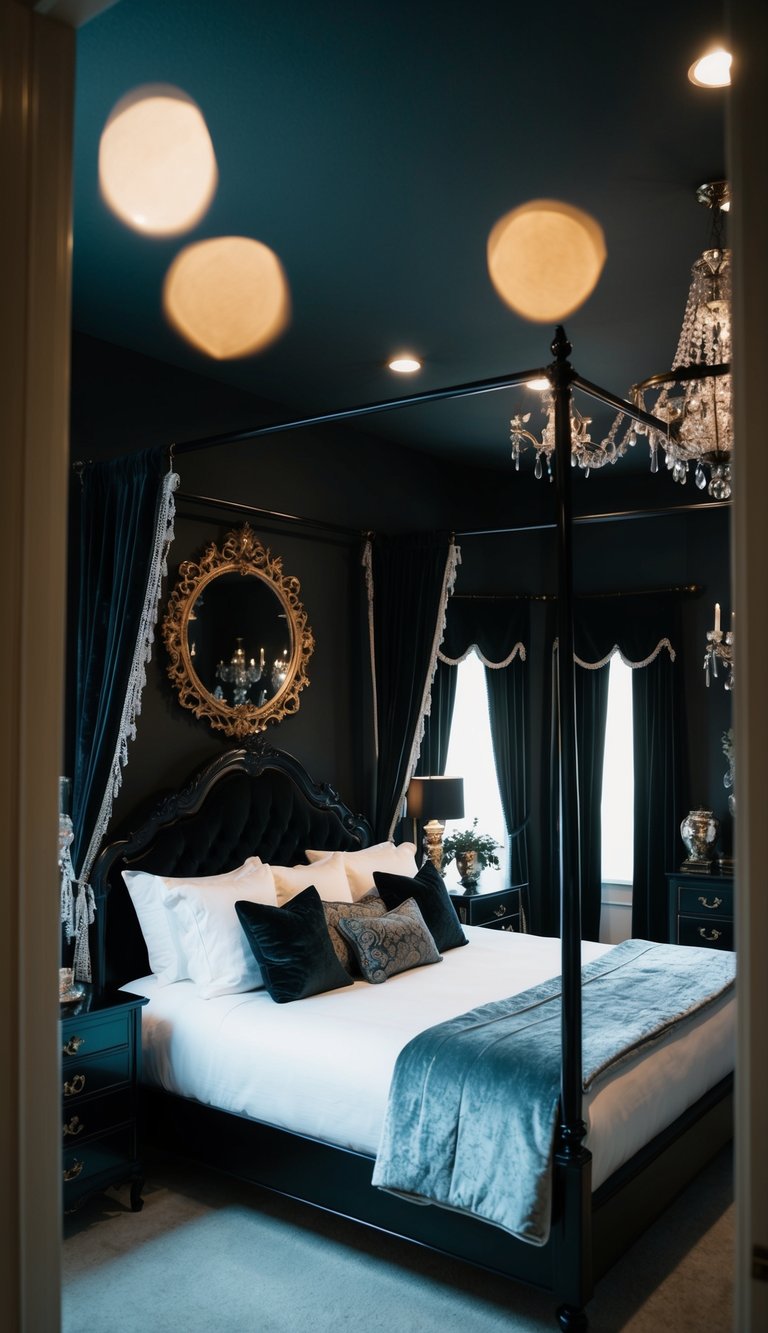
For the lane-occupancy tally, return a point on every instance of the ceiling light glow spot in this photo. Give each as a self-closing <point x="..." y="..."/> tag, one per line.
<point x="712" y="70"/>
<point x="227" y="296"/>
<point x="404" y="365"/>
<point x="539" y="385"/>
<point x="545" y="259"/>
<point x="157" y="167"/>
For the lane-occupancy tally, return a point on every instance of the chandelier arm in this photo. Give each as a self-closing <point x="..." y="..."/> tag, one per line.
<point x="697" y="371"/>
<point x="621" y="405"/>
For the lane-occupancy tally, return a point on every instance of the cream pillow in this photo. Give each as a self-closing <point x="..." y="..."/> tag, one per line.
<point x="360" y="866"/>
<point x="167" y="957"/>
<point x="219" y="958"/>
<point x="327" y="875"/>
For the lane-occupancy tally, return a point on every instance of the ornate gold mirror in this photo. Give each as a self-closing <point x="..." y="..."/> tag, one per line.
<point x="237" y="636"/>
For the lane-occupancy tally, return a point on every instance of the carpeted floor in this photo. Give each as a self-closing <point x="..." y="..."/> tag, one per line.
<point x="208" y="1253"/>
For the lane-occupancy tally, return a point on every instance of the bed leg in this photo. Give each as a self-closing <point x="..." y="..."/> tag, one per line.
<point x="572" y="1236"/>
<point x="572" y="1320"/>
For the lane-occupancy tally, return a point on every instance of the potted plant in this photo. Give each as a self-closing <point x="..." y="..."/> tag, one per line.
<point x="471" y="851"/>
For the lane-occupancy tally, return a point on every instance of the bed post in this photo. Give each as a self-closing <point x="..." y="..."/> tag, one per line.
<point x="572" y="1222"/>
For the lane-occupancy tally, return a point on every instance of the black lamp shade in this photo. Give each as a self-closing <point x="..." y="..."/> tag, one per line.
<point x="435" y="798"/>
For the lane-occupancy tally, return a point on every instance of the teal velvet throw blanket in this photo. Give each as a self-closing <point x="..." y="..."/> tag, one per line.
<point x="473" y="1105"/>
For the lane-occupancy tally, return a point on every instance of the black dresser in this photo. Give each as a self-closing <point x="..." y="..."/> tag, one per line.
<point x="701" y="910"/>
<point x="100" y="1063"/>
<point x="496" y="908"/>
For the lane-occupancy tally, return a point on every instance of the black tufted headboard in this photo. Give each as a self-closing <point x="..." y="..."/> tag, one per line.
<point x="244" y="803"/>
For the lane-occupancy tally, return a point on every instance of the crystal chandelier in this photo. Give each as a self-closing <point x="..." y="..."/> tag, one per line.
<point x="693" y="398"/>
<point x="240" y="674"/>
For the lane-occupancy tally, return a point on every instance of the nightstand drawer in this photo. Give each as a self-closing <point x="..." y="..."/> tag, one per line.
<point x="487" y="911"/>
<point x="106" y="1070"/>
<point x="705" y="932"/>
<point x="508" y="923"/>
<point x="698" y="901"/>
<point x="96" y="1116"/>
<point x="107" y="1154"/>
<point x="97" y="1034"/>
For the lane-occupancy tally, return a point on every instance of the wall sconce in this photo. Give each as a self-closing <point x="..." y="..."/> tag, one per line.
<point x="720" y="649"/>
<point x="431" y="801"/>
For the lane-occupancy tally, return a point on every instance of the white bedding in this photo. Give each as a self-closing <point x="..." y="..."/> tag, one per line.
<point x="322" y="1066"/>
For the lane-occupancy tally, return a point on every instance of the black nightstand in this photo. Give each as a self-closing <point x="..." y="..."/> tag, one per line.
<point x="499" y="909"/>
<point x="700" y="910"/>
<point x="101" y="1062"/>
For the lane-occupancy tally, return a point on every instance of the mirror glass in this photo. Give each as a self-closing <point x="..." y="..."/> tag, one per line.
<point x="240" y="640"/>
<point x="237" y="636"/>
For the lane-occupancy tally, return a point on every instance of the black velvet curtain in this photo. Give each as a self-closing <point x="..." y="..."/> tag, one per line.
<point x="437" y="725"/>
<point x="495" y="625"/>
<point x="658" y="710"/>
<point x="407" y="578"/>
<point x="115" y="506"/>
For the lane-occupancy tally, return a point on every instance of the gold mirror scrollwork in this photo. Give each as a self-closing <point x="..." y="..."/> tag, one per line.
<point x="237" y="636"/>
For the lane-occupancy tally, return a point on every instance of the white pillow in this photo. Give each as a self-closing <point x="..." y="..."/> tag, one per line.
<point x="167" y="958"/>
<point x="327" y="875"/>
<point x="219" y="957"/>
<point x="359" y="866"/>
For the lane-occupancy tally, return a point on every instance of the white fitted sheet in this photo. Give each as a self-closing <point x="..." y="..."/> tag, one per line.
<point x="322" y="1066"/>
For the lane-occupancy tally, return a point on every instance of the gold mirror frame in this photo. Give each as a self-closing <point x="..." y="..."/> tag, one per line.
<point x="244" y="554"/>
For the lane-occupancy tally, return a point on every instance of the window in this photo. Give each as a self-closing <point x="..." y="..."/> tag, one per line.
<point x="470" y="756"/>
<point x="617" y="809"/>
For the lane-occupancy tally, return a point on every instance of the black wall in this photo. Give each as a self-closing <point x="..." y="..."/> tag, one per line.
<point x="359" y="482"/>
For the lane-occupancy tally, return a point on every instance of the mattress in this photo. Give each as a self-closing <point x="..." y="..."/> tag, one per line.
<point x="322" y="1066"/>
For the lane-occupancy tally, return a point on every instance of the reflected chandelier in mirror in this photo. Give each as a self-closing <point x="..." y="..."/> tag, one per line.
<point x="237" y="636"/>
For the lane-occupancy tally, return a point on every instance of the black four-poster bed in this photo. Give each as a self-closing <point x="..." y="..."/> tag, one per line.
<point x="261" y="800"/>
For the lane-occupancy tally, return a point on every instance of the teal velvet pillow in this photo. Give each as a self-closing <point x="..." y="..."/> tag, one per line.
<point x="292" y="946"/>
<point x="386" y="945"/>
<point x="369" y="906"/>
<point x="429" y="892"/>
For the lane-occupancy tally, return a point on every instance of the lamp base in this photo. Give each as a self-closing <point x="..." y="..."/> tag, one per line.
<point x="433" y="843"/>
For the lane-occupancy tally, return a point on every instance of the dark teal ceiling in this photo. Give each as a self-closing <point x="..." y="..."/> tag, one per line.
<point x="373" y="146"/>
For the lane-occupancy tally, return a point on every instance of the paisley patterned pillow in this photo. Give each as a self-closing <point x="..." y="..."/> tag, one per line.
<point x="386" y="945"/>
<point x="369" y="906"/>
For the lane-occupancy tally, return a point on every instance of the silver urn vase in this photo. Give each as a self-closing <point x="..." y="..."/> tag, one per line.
<point x="469" y="867"/>
<point x="699" y="831"/>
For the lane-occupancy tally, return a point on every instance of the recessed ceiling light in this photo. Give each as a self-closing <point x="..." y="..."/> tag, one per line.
<point x="538" y="385"/>
<point x="712" y="70"/>
<point x="404" y="365"/>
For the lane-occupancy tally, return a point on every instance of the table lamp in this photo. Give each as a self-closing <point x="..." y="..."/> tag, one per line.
<point x="431" y="801"/>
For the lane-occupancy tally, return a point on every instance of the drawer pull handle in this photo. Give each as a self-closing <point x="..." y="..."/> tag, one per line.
<point x="73" y="1171"/>
<point x="73" y="1127"/>
<point x="717" y="902"/>
<point x="74" y="1085"/>
<point x="72" y="1046"/>
<point x="714" y="935"/>
<point x="501" y="910"/>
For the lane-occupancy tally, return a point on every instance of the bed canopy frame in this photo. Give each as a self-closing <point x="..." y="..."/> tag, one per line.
<point x="592" y="1230"/>
<point x="563" y="379"/>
